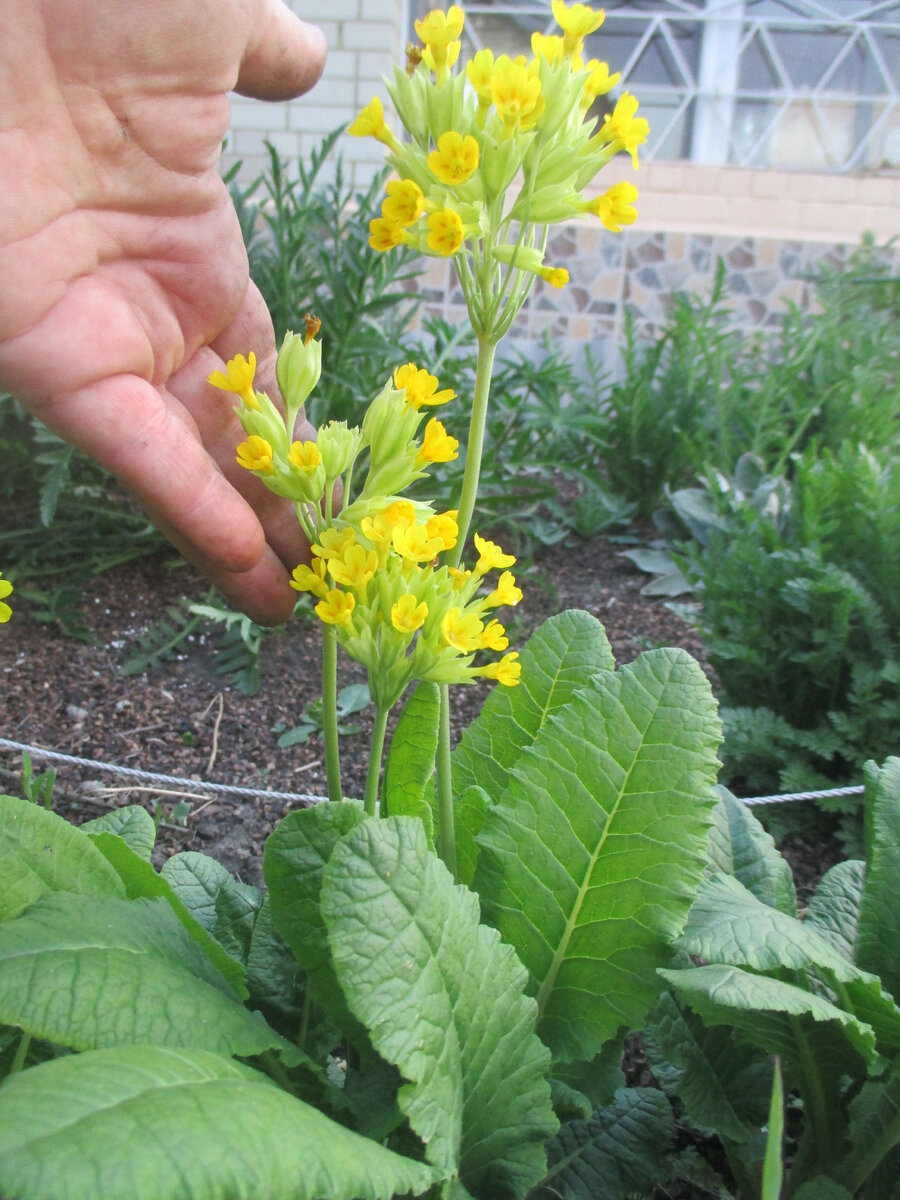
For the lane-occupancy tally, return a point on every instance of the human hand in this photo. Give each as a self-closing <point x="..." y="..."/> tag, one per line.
<point x="125" y="279"/>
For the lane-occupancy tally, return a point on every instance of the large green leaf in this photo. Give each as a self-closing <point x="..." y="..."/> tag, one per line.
<point x="443" y="999"/>
<point x="874" y="1128"/>
<point x="272" y="970"/>
<point x="739" y="846"/>
<point x="409" y="769"/>
<point x="560" y="657"/>
<point x="727" y="924"/>
<point x="41" y="853"/>
<point x="878" y="944"/>
<point x="223" y="905"/>
<point x="132" y="823"/>
<point x="142" y="882"/>
<point x="88" y="972"/>
<point x="777" y="1016"/>
<point x="147" y="1123"/>
<point x="834" y="908"/>
<point x="589" y="863"/>
<point x="616" y="1153"/>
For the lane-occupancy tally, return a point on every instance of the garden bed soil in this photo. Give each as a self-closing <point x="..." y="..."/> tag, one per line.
<point x="183" y="719"/>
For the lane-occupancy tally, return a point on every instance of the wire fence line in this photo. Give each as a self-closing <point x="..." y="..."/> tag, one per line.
<point x="202" y="787"/>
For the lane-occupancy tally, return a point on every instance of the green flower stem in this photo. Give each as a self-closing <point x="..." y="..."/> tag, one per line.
<point x="375" y="751"/>
<point x="475" y="446"/>
<point x="329" y="712"/>
<point x="21" y="1054"/>
<point x="446" y="827"/>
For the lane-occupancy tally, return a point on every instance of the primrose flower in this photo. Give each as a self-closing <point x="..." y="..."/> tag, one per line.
<point x="355" y="569"/>
<point x="385" y="234"/>
<point x="615" y="207"/>
<point x="515" y="91"/>
<point x="333" y="543"/>
<point x="5" y="611"/>
<point x="446" y="232"/>
<point x="479" y="70"/>
<point x="576" y="22"/>
<point x="444" y="526"/>
<point x="437" y="444"/>
<point x="371" y="123"/>
<point x="310" y="579"/>
<point x="494" y="636"/>
<point x="420" y="387"/>
<point x="549" y="47"/>
<point x="305" y="456"/>
<point x="336" y="608"/>
<point x="623" y="129"/>
<point x="455" y="159"/>
<point x="490" y="556"/>
<point x="238" y="378"/>
<point x="255" y="454"/>
<point x="405" y="202"/>
<point x="408" y="614"/>
<point x="505" y="593"/>
<point x="440" y="32"/>
<point x="415" y="543"/>
<point x="462" y="631"/>
<point x="507" y="671"/>
<point x="557" y="277"/>
<point x="598" y="83"/>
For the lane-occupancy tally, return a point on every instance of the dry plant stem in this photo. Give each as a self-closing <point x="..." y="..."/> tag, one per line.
<point x="329" y="713"/>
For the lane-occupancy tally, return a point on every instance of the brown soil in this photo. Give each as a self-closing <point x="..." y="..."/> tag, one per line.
<point x="181" y="719"/>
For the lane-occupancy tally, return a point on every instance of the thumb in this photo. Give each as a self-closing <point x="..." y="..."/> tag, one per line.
<point x="284" y="56"/>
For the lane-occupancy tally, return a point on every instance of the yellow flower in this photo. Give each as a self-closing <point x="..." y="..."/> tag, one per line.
<point x="615" y="206"/>
<point x="420" y="387"/>
<point x="334" y="543"/>
<point x="445" y="232"/>
<point x="5" y="611"/>
<point x="415" y="543"/>
<point x="462" y="632"/>
<point x="458" y="578"/>
<point x="336" y="608"/>
<point x="623" y="128"/>
<point x="238" y="378"/>
<point x="507" y="671"/>
<point x="355" y="568"/>
<point x="455" y="159"/>
<point x="576" y="22"/>
<point x="437" y="444"/>
<point x="479" y="69"/>
<point x="255" y="454"/>
<point x="515" y="90"/>
<point x="439" y="29"/>
<point x="444" y="526"/>
<point x="401" y="512"/>
<point x="408" y="615"/>
<point x="505" y="592"/>
<point x="405" y="203"/>
<point x="494" y="637"/>
<point x="551" y="48"/>
<point x="310" y="579"/>
<point x="384" y="234"/>
<point x="490" y="556"/>
<point x="599" y="82"/>
<point x="371" y="123"/>
<point x="440" y="61"/>
<point x="556" y="276"/>
<point x="305" y="456"/>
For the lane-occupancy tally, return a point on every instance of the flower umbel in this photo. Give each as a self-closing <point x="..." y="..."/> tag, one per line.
<point x="5" y="611"/>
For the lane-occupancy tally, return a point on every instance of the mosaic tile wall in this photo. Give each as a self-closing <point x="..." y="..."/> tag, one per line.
<point x="638" y="272"/>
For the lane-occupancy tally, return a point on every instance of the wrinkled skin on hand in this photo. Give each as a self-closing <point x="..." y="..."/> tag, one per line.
<point x="124" y="275"/>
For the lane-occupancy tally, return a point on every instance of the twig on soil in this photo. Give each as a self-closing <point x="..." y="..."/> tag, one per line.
<point x="215" y="737"/>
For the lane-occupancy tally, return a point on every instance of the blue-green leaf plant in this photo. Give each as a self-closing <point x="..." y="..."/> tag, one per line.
<point x="432" y="993"/>
<point x="756" y="981"/>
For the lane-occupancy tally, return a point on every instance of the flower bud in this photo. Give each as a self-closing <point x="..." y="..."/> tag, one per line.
<point x="339" y="445"/>
<point x="299" y="365"/>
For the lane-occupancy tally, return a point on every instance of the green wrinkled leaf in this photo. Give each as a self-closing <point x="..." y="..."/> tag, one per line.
<point x="833" y="911"/>
<point x="443" y="999"/>
<point x="727" y="924"/>
<point x="139" y="1123"/>
<point x="213" y="896"/>
<point x="878" y="945"/>
<point x="409" y="769"/>
<point x="560" y="657"/>
<point x="272" y="970"/>
<point x="616" y="1153"/>
<point x="764" y="1012"/>
<point x="589" y="863"/>
<point x="88" y="972"/>
<point x="740" y="846"/>
<point x="132" y="823"/>
<point x="141" y="881"/>
<point x="470" y="808"/>
<point x="41" y="853"/>
<point x="874" y="1126"/>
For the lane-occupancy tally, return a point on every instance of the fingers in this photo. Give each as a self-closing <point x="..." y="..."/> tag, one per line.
<point x="285" y="56"/>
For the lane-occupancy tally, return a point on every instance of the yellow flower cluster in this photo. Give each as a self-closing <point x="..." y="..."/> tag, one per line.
<point x="473" y="132"/>
<point x="398" y="612"/>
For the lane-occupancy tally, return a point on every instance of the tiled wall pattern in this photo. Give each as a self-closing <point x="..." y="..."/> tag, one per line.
<point x="638" y="270"/>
